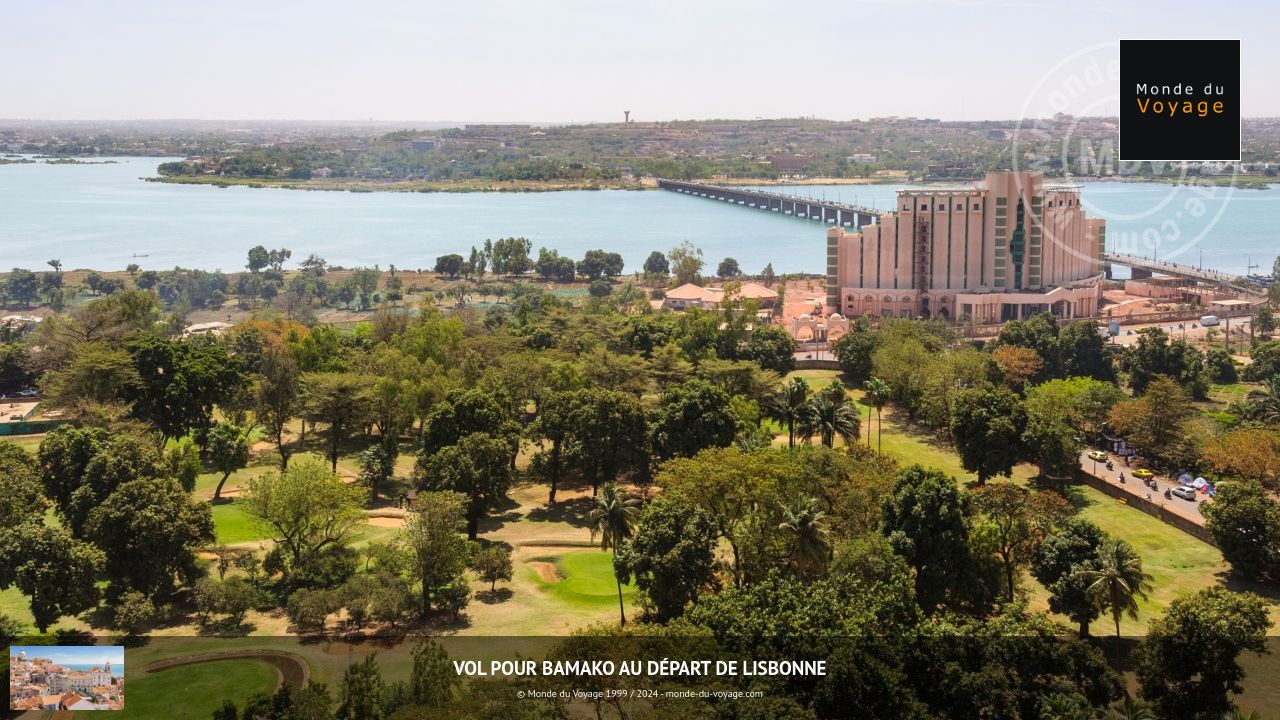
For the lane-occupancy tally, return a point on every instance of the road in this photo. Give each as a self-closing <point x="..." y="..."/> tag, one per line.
<point x="1133" y="486"/>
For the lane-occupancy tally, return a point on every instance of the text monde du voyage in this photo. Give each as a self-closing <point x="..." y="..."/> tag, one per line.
<point x="1180" y="99"/>
<point x="665" y="667"/>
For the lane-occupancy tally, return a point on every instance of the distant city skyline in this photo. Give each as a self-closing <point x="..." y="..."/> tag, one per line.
<point x="564" y="61"/>
<point x="74" y="654"/>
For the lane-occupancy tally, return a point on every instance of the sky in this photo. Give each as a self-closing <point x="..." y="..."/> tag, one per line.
<point x="558" y="61"/>
<point x="75" y="654"/>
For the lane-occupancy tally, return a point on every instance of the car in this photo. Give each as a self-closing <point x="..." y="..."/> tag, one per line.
<point x="1143" y="473"/>
<point x="1098" y="455"/>
<point x="1185" y="492"/>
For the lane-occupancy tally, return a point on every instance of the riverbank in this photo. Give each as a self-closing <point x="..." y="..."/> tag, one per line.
<point x="403" y="186"/>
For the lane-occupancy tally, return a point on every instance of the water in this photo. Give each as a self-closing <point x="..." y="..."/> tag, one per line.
<point x="102" y="216"/>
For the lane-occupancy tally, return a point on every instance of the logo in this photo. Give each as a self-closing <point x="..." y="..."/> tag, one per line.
<point x="1180" y="100"/>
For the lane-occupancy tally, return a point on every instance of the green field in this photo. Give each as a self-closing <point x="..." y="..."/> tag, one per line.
<point x="1179" y="563"/>
<point x="194" y="691"/>
<point x="233" y="526"/>
<point x="587" y="579"/>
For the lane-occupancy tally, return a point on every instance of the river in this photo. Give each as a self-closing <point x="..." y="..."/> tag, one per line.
<point x="103" y="216"/>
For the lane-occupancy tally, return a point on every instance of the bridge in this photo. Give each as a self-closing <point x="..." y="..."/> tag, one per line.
<point x="1143" y="267"/>
<point x="830" y="213"/>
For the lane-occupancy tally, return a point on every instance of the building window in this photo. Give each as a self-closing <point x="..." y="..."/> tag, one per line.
<point x="977" y="206"/>
<point x="924" y="207"/>
<point x="906" y="206"/>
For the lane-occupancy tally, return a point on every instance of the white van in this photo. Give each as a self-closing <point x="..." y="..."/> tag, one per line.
<point x="1209" y="320"/>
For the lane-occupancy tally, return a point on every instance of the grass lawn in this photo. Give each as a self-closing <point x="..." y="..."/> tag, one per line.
<point x="233" y="526"/>
<point x="586" y="579"/>
<point x="30" y="443"/>
<point x="194" y="691"/>
<point x="1179" y="563"/>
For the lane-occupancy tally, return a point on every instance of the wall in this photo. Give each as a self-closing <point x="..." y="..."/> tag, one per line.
<point x="1149" y="508"/>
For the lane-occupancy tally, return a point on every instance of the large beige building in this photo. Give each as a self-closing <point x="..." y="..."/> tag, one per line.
<point x="1005" y="248"/>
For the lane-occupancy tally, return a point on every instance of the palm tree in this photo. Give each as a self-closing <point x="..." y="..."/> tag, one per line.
<point x="1263" y="404"/>
<point x="1118" y="583"/>
<point x="877" y="395"/>
<point x="806" y="523"/>
<point x="1133" y="709"/>
<point x="828" y="418"/>
<point x="790" y="407"/>
<point x="612" y="517"/>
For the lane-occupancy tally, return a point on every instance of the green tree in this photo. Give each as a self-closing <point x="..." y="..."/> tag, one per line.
<point x="1263" y="403"/>
<point x="236" y="598"/>
<point x="22" y="496"/>
<point x="1060" y="563"/>
<point x="686" y="263"/>
<point x="1084" y="352"/>
<point x="439" y="552"/>
<point x="1245" y="521"/>
<point x="1189" y="665"/>
<point x="671" y="556"/>
<point x="790" y="406"/>
<point x="97" y="373"/>
<point x="339" y="400"/>
<point x="23" y="286"/>
<point x="451" y="265"/>
<point x="877" y="396"/>
<point x="1016" y="519"/>
<point x="830" y="417"/>
<point x="986" y="427"/>
<point x="656" y="265"/>
<point x="277" y="400"/>
<point x="54" y="570"/>
<point x="854" y="350"/>
<point x="808" y="537"/>
<point x="612" y="519"/>
<point x="377" y="465"/>
<point x="1156" y="422"/>
<point x="598" y="263"/>
<point x="493" y="564"/>
<point x="431" y="682"/>
<point x="693" y="416"/>
<point x="479" y="467"/>
<point x="1118" y="582"/>
<point x="772" y="348"/>
<point x="150" y="530"/>
<point x="728" y="269"/>
<point x="133" y="611"/>
<point x="555" y="424"/>
<point x="82" y="467"/>
<point x="228" y="446"/>
<point x="927" y="522"/>
<point x="461" y="413"/>
<point x="610" y="435"/>
<point x="1155" y="355"/>
<point x="307" y="508"/>
<point x="360" y="697"/>
<point x="182" y="382"/>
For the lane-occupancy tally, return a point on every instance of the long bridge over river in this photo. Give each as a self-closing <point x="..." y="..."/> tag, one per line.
<point x="855" y="216"/>
<point x="1144" y="267"/>
<point x="828" y="212"/>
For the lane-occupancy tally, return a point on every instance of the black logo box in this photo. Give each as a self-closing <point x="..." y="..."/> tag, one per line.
<point x="1189" y="65"/>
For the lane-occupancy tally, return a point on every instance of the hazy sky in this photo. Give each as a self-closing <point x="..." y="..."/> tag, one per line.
<point x="581" y="60"/>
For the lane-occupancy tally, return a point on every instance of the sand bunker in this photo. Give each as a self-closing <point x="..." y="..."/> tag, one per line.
<point x="547" y="572"/>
